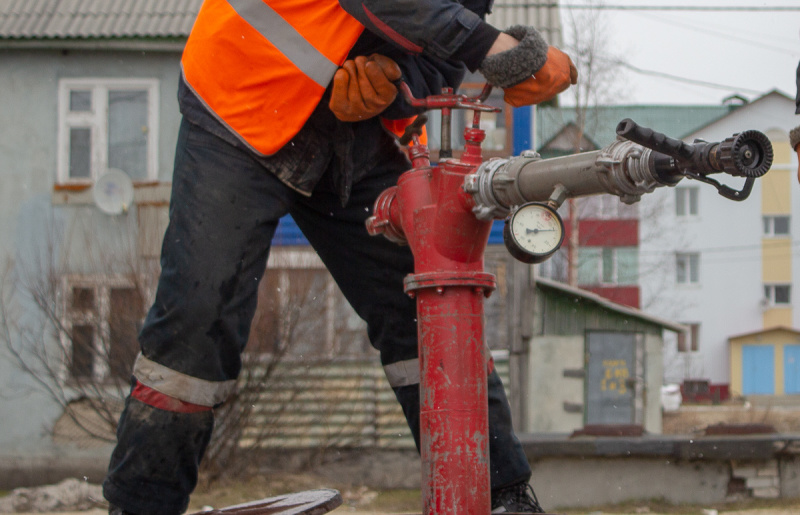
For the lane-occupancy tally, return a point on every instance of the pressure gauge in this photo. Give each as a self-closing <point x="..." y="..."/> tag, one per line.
<point x="533" y="232"/>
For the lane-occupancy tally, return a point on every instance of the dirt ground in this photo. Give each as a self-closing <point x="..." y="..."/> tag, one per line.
<point x="699" y="511"/>
<point x="694" y="419"/>
<point x="362" y="501"/>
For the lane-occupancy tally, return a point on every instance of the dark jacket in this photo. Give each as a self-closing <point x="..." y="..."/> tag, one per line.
<point x="794" y="134"/>
<point x="326" y="143"/>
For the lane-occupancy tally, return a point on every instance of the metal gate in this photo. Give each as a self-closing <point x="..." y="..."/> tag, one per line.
<point x="614" y="372"/>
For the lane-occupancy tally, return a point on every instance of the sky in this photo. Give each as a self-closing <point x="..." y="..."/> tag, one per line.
<point x="740" y="52"/>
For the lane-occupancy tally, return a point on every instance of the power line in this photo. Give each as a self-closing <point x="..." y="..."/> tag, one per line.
<point x="704" y="29"/>
<point x="685" y="79"/>
<point x="654" y="7"/>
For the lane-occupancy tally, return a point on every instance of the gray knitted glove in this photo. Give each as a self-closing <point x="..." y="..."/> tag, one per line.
<point x="509" y="68"/>
<point x="794" y="137"/>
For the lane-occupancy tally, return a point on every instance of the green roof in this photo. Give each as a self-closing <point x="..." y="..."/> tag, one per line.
<point x="675" y="121"/>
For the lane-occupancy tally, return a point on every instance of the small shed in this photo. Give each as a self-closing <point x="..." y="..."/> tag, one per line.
<point x="766" y="362"/>
<point x="592" y="363"/>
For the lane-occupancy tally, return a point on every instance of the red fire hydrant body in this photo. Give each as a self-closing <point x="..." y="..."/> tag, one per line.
<point x="431" y="212"/>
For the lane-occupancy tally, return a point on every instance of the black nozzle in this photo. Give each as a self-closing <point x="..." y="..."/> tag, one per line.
<point x="651" y="139"/>
<point x="747" y="154"/>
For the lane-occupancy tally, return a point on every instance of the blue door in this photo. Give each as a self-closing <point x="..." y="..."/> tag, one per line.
<point x="791" y="369"/>
<point x="758" y="369"/>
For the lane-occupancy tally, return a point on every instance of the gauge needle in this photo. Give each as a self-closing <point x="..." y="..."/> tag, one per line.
<point x="537" y="231"/>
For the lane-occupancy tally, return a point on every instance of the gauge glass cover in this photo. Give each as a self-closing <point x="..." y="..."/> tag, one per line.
<point x="536" y="229"/>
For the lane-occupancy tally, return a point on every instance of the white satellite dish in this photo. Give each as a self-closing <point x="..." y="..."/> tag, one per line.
<point x="113" y="192"/>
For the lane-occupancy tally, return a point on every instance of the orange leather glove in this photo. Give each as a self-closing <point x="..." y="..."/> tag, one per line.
<point x="363" y="88"/>
<point x="557" y="74"/>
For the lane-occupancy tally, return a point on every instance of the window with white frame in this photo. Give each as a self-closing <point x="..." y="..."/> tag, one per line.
<point x="687" y="200"/>
<point x="690" y="340"/>
<point x="302" y="313"/>
<point x="776" y="226"/>
<point x="107" y="123"/>
<point x="687" y="268"/>
<point x="778" y="294"/>
<point x="606" y="207"/>
<point x="100" y="321"/>
<point x="608" y="265"/>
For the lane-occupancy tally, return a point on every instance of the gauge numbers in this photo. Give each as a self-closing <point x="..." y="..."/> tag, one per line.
<point x="533" y="232"/>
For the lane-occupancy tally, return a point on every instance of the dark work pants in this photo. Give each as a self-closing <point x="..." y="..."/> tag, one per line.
<point x="224" y="210"/>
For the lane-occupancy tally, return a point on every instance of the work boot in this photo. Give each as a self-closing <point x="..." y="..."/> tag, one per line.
<point x="518" y="498"/>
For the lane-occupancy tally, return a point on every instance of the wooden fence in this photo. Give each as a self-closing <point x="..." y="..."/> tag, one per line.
<point x="332" y="404"/>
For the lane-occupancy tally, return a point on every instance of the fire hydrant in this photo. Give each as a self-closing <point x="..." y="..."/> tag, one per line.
<point x="445" y="212"/>
<point x="430" y="211"/>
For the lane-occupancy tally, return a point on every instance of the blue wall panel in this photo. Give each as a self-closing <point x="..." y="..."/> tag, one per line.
<point x="758" y="369"/>
<point x="791" y="369"/>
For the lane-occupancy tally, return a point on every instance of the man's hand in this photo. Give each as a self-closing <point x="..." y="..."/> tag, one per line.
<point x="557" y="74"/>
<point x="363" y="88"/>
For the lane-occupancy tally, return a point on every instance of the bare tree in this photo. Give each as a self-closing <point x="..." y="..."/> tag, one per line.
<point x="71" y="309"/>
<point x="588" y="43"/>
<point x="72" y="329"/>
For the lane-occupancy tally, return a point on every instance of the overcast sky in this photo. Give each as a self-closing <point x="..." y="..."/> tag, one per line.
<point x="746" y="52"/>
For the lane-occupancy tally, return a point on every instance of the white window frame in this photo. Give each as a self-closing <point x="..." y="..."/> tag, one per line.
<point x="690" y="209"/>
<point x="99" y="318"/>
<point x="600" y="262"/>
<point x="769" y="226"/>
<point x="690" y="340"/>
<point x="283" y="259"/>
<point x="692" y="268"/>
<point x="607" y="207"/>
<point x="97" y="121"/>
<point x="769" y="294"/>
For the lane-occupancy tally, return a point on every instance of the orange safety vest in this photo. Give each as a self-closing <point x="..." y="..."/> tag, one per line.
<point x="398" y="128"/>
<point x="262" y="66"/>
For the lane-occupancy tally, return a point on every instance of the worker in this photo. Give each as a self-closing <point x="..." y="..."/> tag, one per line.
<point x="794" y="134"/>
<point x="282" y="107"/>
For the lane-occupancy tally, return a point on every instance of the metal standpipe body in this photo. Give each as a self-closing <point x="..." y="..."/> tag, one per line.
<point x="429" y="210"/>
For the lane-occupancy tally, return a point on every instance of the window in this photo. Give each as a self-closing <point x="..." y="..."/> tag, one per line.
<point x="690" y="340"/>
<point x="608" y="265"/>
<point x="302" y="313"/>
<point x="606" y="207"/>
<point x="776" y="226"/>
<point x="101" y="317"/>
<point x="687" y="201"/>
<point x="778" y="294"/>
<point x="107" y="123"/>
<point x="687" y="268"/>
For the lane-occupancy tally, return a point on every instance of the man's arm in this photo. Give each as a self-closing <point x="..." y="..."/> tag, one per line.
<point x="444" y="29"/>
<point x="517" y="60"/>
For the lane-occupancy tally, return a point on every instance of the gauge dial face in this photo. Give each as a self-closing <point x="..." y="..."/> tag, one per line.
<point x="536" y="230"/>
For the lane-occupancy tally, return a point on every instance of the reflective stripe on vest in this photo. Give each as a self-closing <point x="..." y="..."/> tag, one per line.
<point x="261" y="66"/>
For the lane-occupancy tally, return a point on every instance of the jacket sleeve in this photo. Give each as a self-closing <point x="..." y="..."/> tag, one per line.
<point x="443" y="29"/>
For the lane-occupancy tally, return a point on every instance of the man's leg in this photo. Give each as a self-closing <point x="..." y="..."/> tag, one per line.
<point x="223" y="213"/>
<point x="370" y="271"/>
